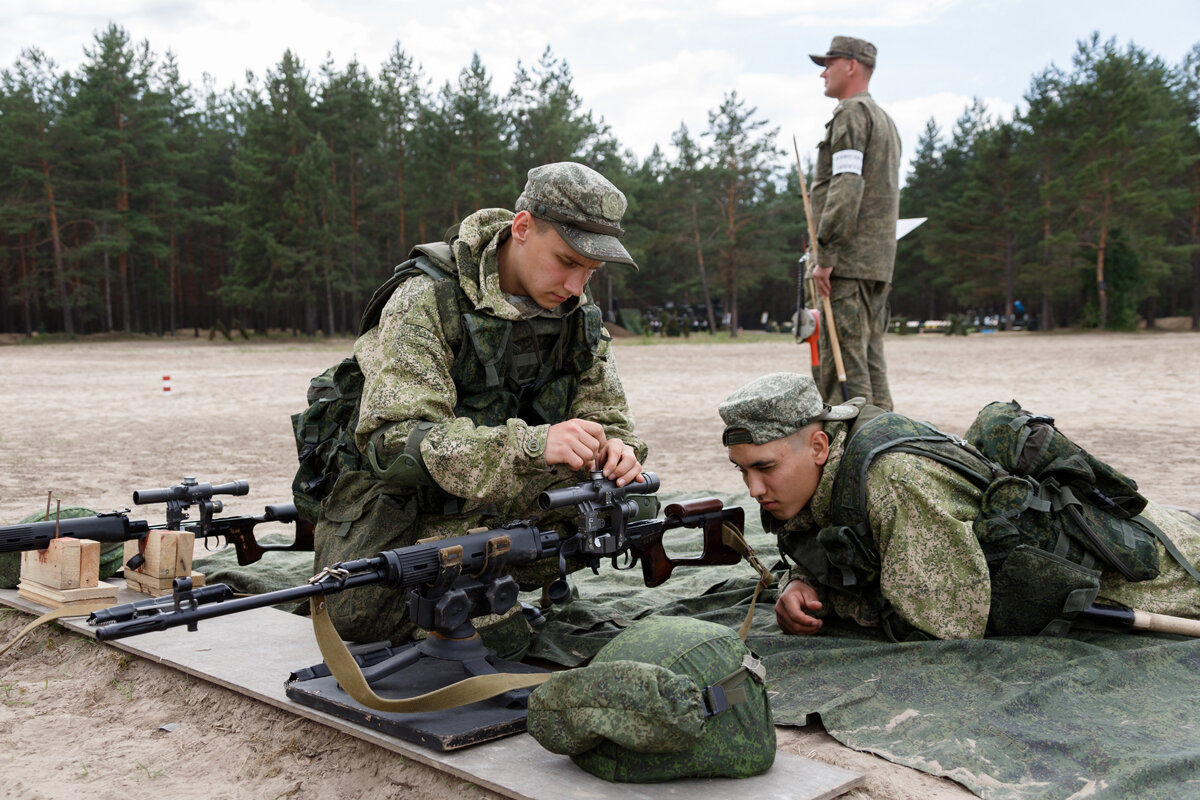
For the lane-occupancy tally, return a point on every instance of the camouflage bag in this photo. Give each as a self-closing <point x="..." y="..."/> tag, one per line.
<point x="1096" y="505"/>
<point x="324" y="431"/>
<point x="670" y="697"/>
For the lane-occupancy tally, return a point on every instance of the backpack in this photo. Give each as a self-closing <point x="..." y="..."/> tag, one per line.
<point x="324" y="431"/>
<point x="1051" y="518"/>
<point x="668" y="697"/>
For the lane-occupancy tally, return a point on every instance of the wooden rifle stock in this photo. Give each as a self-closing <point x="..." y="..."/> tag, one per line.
<point x="708" y="513"/>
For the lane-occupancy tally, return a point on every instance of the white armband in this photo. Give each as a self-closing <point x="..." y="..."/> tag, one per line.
<point x="847" y="161"/>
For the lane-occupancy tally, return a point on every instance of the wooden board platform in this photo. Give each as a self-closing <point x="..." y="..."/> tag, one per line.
<point x="253" y="653"/>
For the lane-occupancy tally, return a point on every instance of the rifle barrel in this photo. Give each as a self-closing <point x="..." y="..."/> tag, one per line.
<point x="100" y="528"/>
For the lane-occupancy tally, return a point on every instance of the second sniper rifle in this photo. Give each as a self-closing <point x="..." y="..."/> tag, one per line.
<point x="116" y="526"/>
<point x="451" y="581"/>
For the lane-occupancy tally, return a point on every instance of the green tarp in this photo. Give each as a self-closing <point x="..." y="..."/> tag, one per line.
<point x="1091" y="715"/>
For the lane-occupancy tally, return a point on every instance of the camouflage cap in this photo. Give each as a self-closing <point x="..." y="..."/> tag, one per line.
<point x="848" y="47"/>
<point x="582" y="205"/>
<point x="775" y="406"/>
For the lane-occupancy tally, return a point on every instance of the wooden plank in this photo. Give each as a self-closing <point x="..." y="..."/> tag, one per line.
<point x="56" y="598"/>
<point x="253" y="653"/>
<point x="157" y="587"/>
<point x="168" y="554"/>
<point x="66" y="563"/>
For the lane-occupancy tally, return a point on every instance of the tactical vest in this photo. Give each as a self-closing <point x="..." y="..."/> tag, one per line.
<point x="1052" y="516"/>
<point x="527" y="369"/>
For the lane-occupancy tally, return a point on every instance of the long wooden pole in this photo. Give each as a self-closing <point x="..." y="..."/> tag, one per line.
<point x="812" y="260"/>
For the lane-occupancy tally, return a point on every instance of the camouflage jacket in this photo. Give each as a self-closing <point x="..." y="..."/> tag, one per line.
<point x="931" y="568"/>
<point x="406" y="364"/>
<point x="855" y="206"/>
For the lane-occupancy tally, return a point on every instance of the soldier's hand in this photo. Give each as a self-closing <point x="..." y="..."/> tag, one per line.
<point x="576" y="443"/>
<point x="619" y="463"/>
<point x="821" y="279"/>
<point x="791" y="609"/>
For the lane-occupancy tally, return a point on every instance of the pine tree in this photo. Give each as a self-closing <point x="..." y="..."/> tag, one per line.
<point x="36" y="151"/>
<point x="400" y="98"/>
<point x="744" y="159"/>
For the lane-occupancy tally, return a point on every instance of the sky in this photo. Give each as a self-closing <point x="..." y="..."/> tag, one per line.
<point x="645" y="66"/>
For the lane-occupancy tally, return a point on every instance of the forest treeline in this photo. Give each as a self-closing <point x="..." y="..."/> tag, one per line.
<point x="132" y="201"/>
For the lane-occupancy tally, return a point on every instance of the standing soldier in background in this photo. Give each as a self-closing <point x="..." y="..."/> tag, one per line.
<point x="856" y="202"/>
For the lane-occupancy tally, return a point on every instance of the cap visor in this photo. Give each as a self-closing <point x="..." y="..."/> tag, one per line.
<point x="819" y="60"/>
<point x="844" y="411"/>
<point x="596" y="246"/>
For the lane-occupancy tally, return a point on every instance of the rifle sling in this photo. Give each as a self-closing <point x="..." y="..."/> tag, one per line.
<point x="53" y="614"/>
<point x="736" y="541"/>
<point x="349" y="676"/>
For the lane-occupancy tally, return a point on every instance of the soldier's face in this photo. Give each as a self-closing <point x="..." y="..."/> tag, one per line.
<point x="782" y="475"/>
<point x="546" y="268"/>
<point x="836" y="75"/>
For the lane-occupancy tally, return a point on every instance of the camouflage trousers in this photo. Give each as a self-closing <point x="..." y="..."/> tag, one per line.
<point x="359" y="520"/>
<point x="860" y="310"/>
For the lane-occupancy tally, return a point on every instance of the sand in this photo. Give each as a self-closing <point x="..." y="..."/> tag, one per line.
<point x="90" y="423"/>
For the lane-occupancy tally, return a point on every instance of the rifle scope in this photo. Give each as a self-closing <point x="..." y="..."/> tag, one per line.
<point x="190" y="492"/>
<point x="597" y="489"/>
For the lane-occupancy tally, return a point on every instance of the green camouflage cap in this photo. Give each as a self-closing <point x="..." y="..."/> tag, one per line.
<point x="582" y="205"/>
<point x="775" y="406"/>
<point x="848" y="47"/>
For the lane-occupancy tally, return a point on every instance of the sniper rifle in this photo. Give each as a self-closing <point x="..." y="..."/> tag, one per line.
<point x="449" y="582"/>
<point x="116" y="526"/>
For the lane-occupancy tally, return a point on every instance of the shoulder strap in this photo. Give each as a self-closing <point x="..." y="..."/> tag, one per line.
<point x="349" y="676"/>
<point x="885" y="432"/>
<point x="434" y="259"/>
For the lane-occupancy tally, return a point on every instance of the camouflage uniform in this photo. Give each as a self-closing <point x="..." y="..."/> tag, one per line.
<point x="496" y="471"/>
<point x="932" y="569"/>
<point x="856" y="215"/>
<point x="921" y="515"/>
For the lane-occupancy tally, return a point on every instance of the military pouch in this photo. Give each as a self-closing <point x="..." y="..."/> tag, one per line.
<point x="1124" y="545"/>
<point x="1037" y="592"/>
<point x="359" y="496"/>
<point x="837" y="557"/>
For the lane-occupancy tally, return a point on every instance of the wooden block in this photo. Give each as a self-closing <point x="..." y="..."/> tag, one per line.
<point x="156" y="587"/>
<point x="168" y="554"/>
<point x="54" y="598"/>
<point x="66" y="563"/>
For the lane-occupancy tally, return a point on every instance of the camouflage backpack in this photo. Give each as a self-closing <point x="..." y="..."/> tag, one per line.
<point x="325" y="430"/>
<point x="669" y="697"/>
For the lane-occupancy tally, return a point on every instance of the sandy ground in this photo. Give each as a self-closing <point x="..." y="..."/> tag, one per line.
<point x="89" y="422"/>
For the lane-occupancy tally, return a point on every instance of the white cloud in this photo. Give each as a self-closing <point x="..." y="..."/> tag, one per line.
<point x="864" y="13"/>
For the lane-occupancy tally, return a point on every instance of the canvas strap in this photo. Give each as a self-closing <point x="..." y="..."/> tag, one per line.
<point x="53" y="614"/>
<point x="345" y="670"/>
<point x="736" y="541"/>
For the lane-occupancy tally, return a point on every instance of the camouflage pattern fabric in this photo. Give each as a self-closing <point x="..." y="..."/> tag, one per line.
<point x="933" y="571"/>
<point x="1009" y="718"/>
<point x="774" y="406"/>
<point x="498" y="470"/>
<point x="856" y="215"/>
<point x="856" y="218"/>
<point x="634" y="705"/>
<point x="624" y="720"/>
<point x="861" y="310"/>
